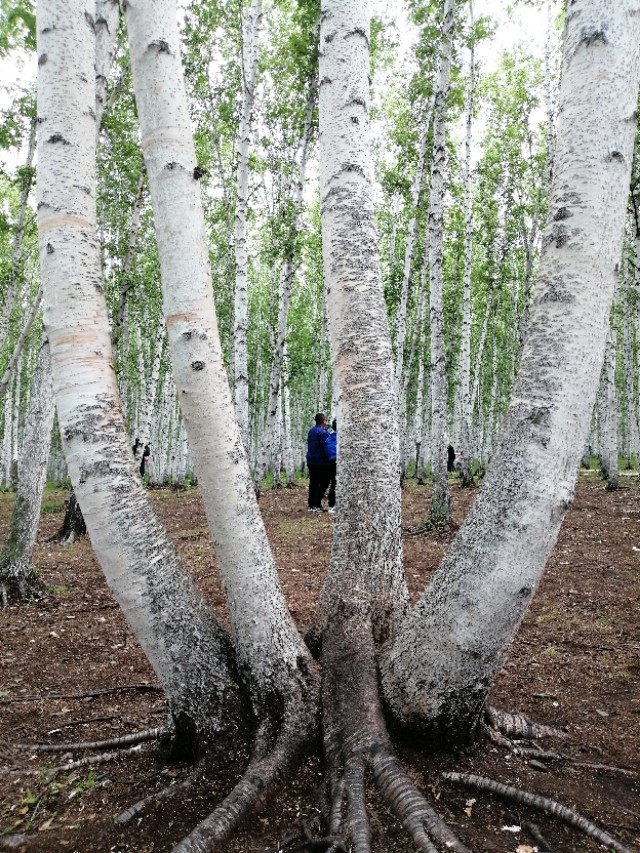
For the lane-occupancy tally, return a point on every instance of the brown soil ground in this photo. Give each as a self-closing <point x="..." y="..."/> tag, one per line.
<point x="574" y="665"/>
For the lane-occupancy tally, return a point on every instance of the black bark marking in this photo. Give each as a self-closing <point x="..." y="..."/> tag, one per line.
<point x="90" y="21"/>
<point x="563" y="213"/>
<point x="614" y="155"/>
<point x="161" y="46"/>
<point x="199" y="172"/>
<point x="355" y="120"/>
<point x="590" y="37"/>
<point x="326" y="80"/>
<point x="173" y="165"/>
<point x="187" y="335"/>
<point x="42" y="59"/>
<point x="358" y="101"/>
<point x="197" y="365"/>
<point x="559" y="235"/>
<point x="58" y="137"/>
<point x="358" y="31"/>
<point x="50" y="249"/>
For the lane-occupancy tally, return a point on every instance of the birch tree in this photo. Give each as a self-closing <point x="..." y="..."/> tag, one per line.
<point x="184" y="644"/>
<point x="432" y="666"/>
<point x="250" y="51"/>
<point x="487" y="578"/>
<point x="440" y="511"/>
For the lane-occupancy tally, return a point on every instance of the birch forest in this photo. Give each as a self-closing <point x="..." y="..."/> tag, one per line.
<point x="420" y="218"/>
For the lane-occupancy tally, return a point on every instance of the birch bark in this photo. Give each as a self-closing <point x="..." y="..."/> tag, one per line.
<point x="609" y="423"/>
<point x="284" y="291"/>
<point x="184" y="644"/>
<point x="465" y="455"/>
<point x="17" y="573"/>
<point x="250" y="45"/>
<point x="440" y="669"/>
<point x="366" y="552"/>
<point x="269" y="650"/>
<point x="440" y="501"/>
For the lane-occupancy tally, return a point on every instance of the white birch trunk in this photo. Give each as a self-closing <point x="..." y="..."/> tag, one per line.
<point x="107" y="17"/>
<point x="19" y="345"/>
<point x="16" y="568"/>
<point x="173" y="624"/>
<point x="266" y="642"/>
<point x="367" y="551"/>
<point x="440" y="501"/>
<point x="466" y="414"/>
<point x="609" y="424"/>
<point x="416" y="190"/>
<point x="15" y="282"/>
<point x="250" y="51"/>
<point x="442" y="666"/>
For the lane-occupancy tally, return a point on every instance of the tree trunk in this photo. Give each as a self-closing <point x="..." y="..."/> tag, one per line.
<point x="440" y="500"/>
<point x="366" y="552"/>
<point x="17" y="573"/>
<point x="464" y="451"/>
<point x="609" y="425"/>
<point x="441" y="667"/>
<point x="269" y="650"/>
<point x="250" y="45"/>
<point x="186" y="647"/>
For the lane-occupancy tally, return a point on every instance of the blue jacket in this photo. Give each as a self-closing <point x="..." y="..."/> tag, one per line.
<point x="316" y="453"/>
<point x="331" y="445"/>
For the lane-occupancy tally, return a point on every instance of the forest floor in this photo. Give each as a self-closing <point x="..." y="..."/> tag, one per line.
<point x="575" y="665"/>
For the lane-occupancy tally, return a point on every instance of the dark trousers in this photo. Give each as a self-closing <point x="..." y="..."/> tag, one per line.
<point x="318" y="482"/>
<point x="332" y="483"/>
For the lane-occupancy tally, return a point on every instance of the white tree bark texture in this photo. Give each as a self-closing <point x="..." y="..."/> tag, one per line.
<point x="441" y="667"/>
<point x="440" y="500"/>
<point x="466" y="414"/>
<point x="107" y="17"/>
<point x="250" y="52"/>
<point x="268" y="646"/>
<point x="16" y="282"/>
<point x="609" y="425"/>
<point x="366" y="551"/>
<point x="187" y="649"/>
<point x="285" y="283"/>
<point x="16" y="567"/>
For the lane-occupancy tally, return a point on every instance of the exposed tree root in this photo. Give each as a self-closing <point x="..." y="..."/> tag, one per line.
<point x="113" y="743"/>
<point x="271" y="758"/>
<point x="564" y="814"/>
<point x="534" y="831"/>
<point x="18" y="583"/>
<point x="518" y="725"/>
<point x="82" y="762"/>
<point x="164" y="794"/>
<point x="535" y="751"/>
<point x="47" y="697"/>
<point x="436" y="525"/>
<point x="356" y="740"/>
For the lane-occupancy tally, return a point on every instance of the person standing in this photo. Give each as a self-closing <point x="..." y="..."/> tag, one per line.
<point x="145" y="459"/>
<point x="317" y="462"/>
<point x="331" y="448"/>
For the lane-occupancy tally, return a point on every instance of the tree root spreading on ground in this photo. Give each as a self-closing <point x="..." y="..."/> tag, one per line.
<point x="356" y="740"/>
<point x="164" y="794"/>
<point x="534" y="831"/>
<point x="113" y="743"/>
<point x="48" y="697"/>
<point x="564" y="814"/>
<point x="519" y="725"/>
<point x="536" y="752"/>
<point x="272" y="756"/>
